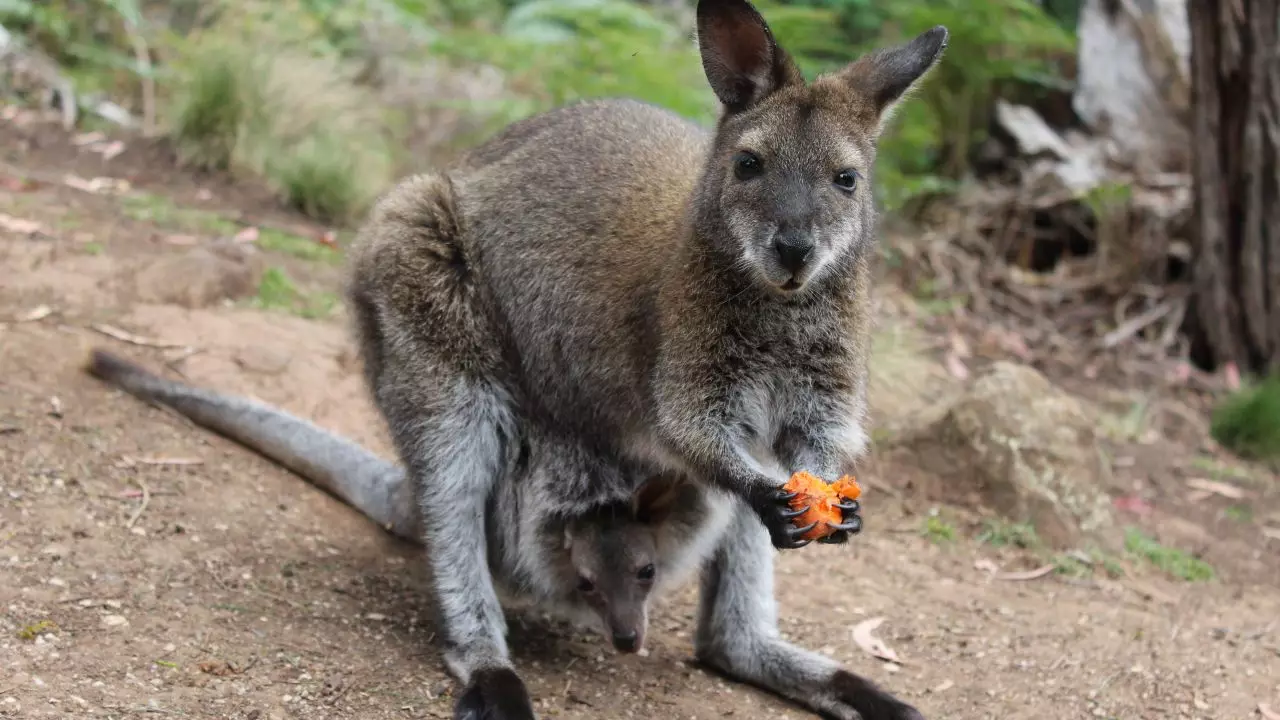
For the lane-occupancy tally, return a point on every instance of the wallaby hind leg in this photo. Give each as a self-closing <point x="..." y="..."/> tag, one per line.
<point x="738" y="635"/>
<point x="458" y="456"/>
<point x="435" y="373"/>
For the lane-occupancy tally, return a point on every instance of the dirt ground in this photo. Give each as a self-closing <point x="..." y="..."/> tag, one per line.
<point x="149" y="568"/>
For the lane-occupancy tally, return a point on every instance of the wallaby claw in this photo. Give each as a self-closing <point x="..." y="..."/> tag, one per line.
<point x="853" y="526"/>
<point x="797" y="532"/>
<point x="850" y="506"/>
<point x="788" y="514"/>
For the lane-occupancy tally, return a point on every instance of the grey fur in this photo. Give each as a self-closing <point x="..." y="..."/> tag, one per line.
<point x="662" y="299"/>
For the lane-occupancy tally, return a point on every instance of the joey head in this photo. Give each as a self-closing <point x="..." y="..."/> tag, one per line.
<point x="614" y="551"/>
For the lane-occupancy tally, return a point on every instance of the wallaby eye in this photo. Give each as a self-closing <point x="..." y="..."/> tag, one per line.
<point x="585" y="585"/>
<point x="646" y="572"/>
<point x="846" y="180"/>
<point x="746" y="165"/>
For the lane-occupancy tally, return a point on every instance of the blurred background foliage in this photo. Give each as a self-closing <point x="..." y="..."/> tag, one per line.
<point x="330" y="100"/>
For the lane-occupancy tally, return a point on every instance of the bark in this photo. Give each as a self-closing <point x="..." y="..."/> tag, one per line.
<point x="1235" y="90"/>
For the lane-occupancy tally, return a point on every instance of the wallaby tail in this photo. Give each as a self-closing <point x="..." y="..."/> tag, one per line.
<point x="356" y="476"/>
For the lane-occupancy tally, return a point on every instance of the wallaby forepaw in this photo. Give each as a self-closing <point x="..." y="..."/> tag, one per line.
<point x="868" y="700"/>
<point x="850" y="523"/>
<point x="773" y="507"/>
<point x="497" y="694"/>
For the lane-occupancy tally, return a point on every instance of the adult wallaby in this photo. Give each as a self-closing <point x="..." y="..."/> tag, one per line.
<point x="695" y="302"/>
<point x="598" y="566"/>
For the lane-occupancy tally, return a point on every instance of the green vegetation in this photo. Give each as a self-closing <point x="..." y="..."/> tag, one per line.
<point x="1239" y="513"/>
<point x="938" y="530"/>
<point x="1177" y="563"/>
<point x="295" y="91"/>
<point x="1248" y="421"/>
<point x="162" y="212"/>
<point x="276" y="291"/>
<point x="1003" y="533"/>
<point x="32" y="631"/>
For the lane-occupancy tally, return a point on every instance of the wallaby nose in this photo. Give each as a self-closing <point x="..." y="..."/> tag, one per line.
<point x="626" y="642"/>
<point x="793" y="251"/>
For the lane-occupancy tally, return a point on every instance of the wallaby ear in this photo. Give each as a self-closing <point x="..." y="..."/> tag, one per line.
<point x="655" y="500"/>
<point x="884" y="76"/>
<point x="742" y="62"/>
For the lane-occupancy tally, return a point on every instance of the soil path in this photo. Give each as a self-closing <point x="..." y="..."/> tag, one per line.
<point x="236" y="591"/>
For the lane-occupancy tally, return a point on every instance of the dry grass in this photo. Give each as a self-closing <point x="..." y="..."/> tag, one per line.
<point x="298" y="120"/>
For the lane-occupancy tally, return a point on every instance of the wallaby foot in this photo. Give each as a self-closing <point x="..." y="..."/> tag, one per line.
<point x="494" y="694"/>
<point x="737" y="636"/>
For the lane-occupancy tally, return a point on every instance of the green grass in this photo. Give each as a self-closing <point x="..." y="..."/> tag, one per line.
<point x="1218" y="470"/>
<point x="938" y="531"/>
<point x="1071" y="566"/>
<point x="93" y="248"/>
<point x="1248" y="421"/>
<point x="1177" y="563"/>
<point x="1004" y="533"/>
<point x="1239" y="513"/>
<point x="163" y="212"/>
<point x="278" y="293"/>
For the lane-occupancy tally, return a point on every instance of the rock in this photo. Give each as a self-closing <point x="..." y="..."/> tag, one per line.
<point x="114" y="620"/>
<point x="200" y="276"/>
<point x="1025" y="448"/>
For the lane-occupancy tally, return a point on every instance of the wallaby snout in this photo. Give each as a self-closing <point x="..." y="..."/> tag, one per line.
<point x="627" y="633"/>
<point x="794" y="249"/>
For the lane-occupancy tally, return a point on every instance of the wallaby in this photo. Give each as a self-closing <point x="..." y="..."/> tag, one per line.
<point x="604" y="563"/>
<point x="690" y="301"/>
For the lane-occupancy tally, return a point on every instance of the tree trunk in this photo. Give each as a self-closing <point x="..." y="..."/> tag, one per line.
<point x="1235" y="90"/>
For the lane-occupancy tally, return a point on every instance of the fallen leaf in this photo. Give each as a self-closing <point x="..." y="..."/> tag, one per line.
<point x="944" y="686"/>
<point x="985" y="565"/>
<point x="956" y="366"/>
<point x="1198" y="496"/>
<point x="864" y="638"/>
<point x="16" y="184"/>
<point x="1181" y="373"/>
<point x="1133" y="504"/>
<point x="1231" y="374"/>
<point x="39" y="313"/>
<point x="111" y="150"/>
<point x="98" y="185"/>
<point x="1027" y="574"/>
<point x="20" y="226"/>
<point x="959" y="345"/>
<point x="1214" y="487"/>
<point x="329" y="238"/>
<point x="1267" y="713"/>
<point x="247" y="235"/>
